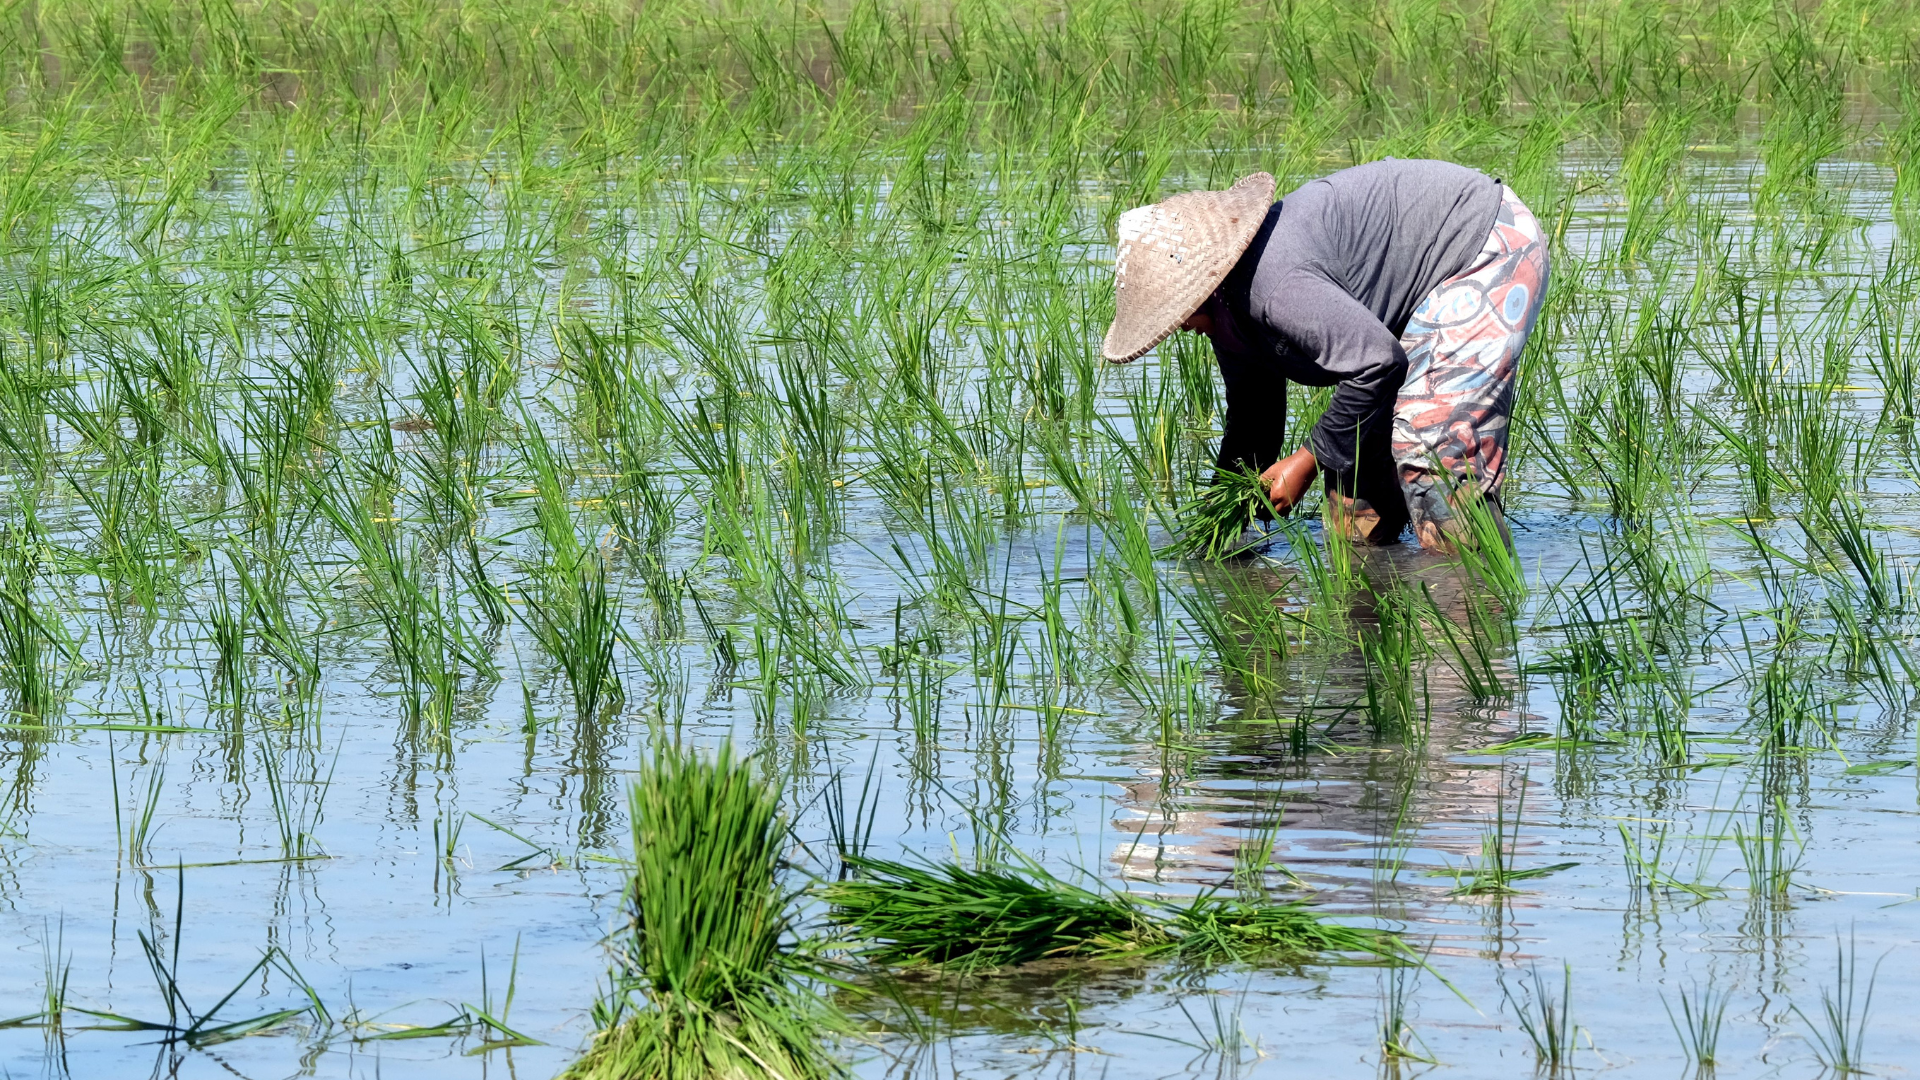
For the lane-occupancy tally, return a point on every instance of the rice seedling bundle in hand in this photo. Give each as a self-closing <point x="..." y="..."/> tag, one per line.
<point x="1213" y="525"/>
<point x="998" y="915"/>
<point x="707" y="987"/>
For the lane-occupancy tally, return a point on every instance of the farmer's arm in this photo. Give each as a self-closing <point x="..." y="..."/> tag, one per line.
<point x="1256" y="417"/>
<point x="1345" y="341"/>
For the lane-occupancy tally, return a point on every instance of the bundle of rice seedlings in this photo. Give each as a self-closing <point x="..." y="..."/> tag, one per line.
<point x="1216" y="929"/>
<point x="999" y="915"/>
<point x="1214" y="525"/>
<point x="980" y="919"/>
<point x="709" y="984"/>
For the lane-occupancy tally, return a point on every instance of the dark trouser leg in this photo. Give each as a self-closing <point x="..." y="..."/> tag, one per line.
<point x="1370" y="505"/>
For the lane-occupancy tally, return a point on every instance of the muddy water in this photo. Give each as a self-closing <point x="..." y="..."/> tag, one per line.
<point x="393" y="932"/>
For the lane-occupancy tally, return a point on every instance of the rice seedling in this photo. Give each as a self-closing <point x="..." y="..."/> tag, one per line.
<point x="1253" y="858"/>
<point x="1398" y="982"/>
<point x="1214" y="525"/>
<point x="580" y="629"/>
<point x="1702" y="1012"/>
<point x="141" y="824"/>
<point x="1495" y="873"/>
<point x="1546" y="1018"/>
<point x="707" y="983"/>
<point x="188" y="1026"/>
<point x="1390" y="650"/>
<point x="1648" y="868"/>
<point x="1840" y="1031"/>
<point x="1771" y="851"/>
<point x="32" y="644"/>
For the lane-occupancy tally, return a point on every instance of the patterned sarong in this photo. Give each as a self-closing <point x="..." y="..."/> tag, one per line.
<point x="1463" y="348"/>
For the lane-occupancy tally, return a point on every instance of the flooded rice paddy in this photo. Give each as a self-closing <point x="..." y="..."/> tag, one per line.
<point x="376" y="500"/>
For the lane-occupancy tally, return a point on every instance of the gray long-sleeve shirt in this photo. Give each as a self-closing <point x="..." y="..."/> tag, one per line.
<point x="1325" y="290"/>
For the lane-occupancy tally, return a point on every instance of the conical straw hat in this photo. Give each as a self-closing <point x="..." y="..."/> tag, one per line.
<point x="1172" y="256"/>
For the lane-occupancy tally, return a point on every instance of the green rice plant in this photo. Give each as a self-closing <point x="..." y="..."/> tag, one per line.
<point x="1398" y="982"/>
<point x="1390" y="649"/>
<point x="56" y="966"/>
<point x="447" y="826"/>
<point x="141" y="824"/>
<point x="1126" y="530"/>
<point x="36" y="651"/>
<point x="267" y="614"/>
<point x="1806" y="121"/>
<point x="1485" y="549"/>
<point x="851" y="829"/>
<point x="708" y="984"/>
<point x="1213" y="525"/>
<point x="1653" y="179"/>
<point x="1789" y="709"/>
<point x="1546" y="1018"/>
<point x="1702" y="1011"/>
<point x="426" y="637"/>
<point x="1001" y="914"/>
<point x="230" y="650"/>
<point x="1880" y="582"/>
<point x="1253" y="856"/>
<point x="1647" y="869"/>
<point x="298" y="805"/>
<point x="1216" y="929"/>
<point x="134" y="544"/>
<point x="1472" y="650"/>
<point x="1771" y="851"/>
<point x="1495" y="873"/>
<point x="187" y="1026"/>
<point x="1328" y="574"/>
<point x="580" y="629"/>
<point x="552" y="505"/>
<point x="1840" y="1033"/>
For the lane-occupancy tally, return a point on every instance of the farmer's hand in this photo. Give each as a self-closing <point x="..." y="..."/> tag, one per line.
<point x="1288" y="478"/>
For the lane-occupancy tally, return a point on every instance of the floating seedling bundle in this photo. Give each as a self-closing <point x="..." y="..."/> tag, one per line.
<point x="1001" y="914"/>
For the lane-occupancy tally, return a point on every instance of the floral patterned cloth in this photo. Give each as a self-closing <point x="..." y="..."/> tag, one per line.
<point x="1463" y="348"/>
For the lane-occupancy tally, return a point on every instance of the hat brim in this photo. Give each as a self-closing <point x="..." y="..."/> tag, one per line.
<point x="1173" y="255"/>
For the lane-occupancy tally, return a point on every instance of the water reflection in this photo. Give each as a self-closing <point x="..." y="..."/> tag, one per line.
<point x="1356" y="807"/>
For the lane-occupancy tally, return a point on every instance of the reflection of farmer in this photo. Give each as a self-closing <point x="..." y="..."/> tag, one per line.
<point x="1408" y="286"/>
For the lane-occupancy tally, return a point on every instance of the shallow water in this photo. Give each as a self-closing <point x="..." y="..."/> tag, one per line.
<point x="388" y="932"/>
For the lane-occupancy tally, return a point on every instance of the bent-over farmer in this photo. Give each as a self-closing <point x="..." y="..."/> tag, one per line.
<point x="1407" y="286"/>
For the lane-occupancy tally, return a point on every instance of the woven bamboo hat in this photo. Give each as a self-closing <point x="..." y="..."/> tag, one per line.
<point x="1173" y="254"/>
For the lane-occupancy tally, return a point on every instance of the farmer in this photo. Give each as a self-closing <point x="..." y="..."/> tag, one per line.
<point x="1407" y="286"/>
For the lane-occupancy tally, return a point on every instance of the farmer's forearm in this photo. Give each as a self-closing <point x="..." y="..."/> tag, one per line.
<point x="1289" y="478"/>
<point x="1255" y="421"/>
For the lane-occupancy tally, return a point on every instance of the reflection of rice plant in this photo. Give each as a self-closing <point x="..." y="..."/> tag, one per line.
<point x="708" y="985"/>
